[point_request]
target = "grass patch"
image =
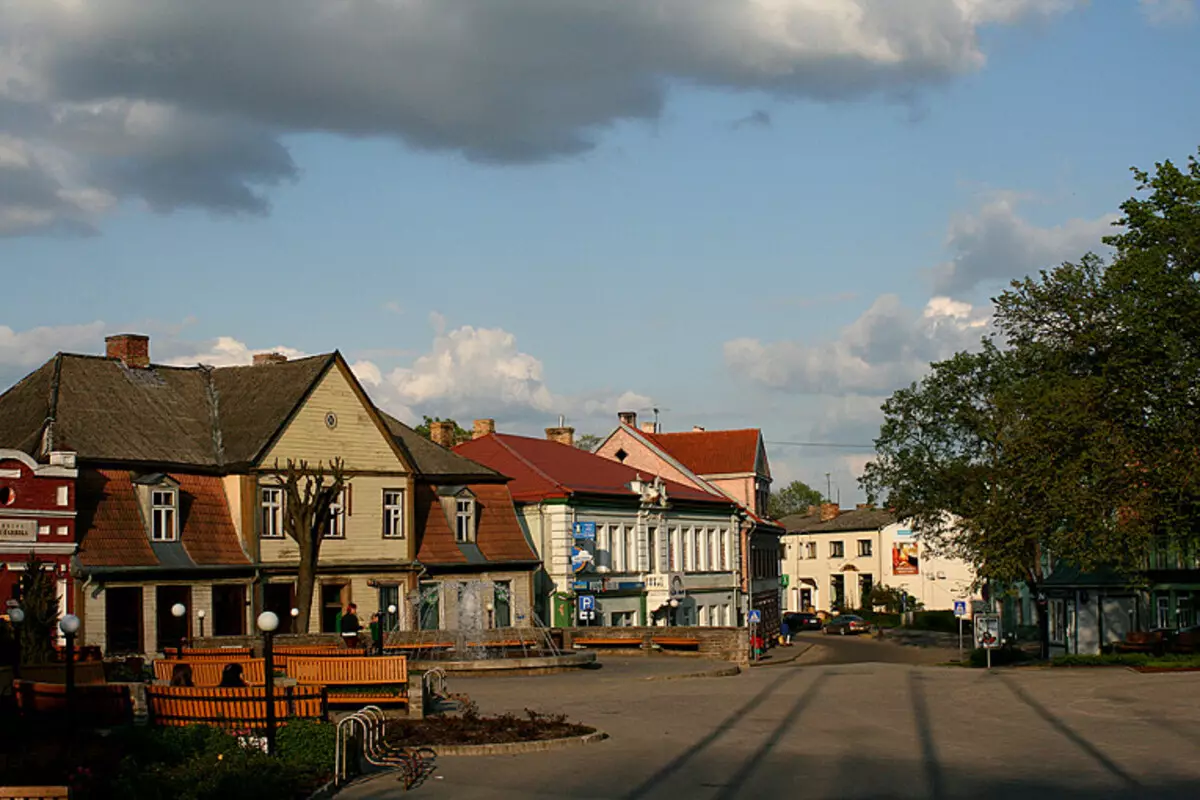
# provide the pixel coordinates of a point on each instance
(1166, 661)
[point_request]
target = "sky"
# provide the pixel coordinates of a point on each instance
(743, 213)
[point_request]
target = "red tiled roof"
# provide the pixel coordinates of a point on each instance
(711, 452)
(114, 534)
(437, 540)
(542, 469)
(498, 534)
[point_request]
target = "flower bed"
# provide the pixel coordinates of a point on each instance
(471, 728)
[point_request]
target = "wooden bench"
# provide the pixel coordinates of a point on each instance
(597, 641)
(207, 672)
(377, 680)
(419, 646)
(34, 792)
(195, 653)
(95, 704)
(1142, 642)
(505, 643)
(283, 652)
(1186, 643)
(232, 708)
(680, 642)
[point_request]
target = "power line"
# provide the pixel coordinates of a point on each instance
(826, 444)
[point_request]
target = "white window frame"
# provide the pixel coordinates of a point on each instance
(724, 536)
(336, 527)
(393, 513)
(840, 545)
(63, 530)
(464, 516)
(62, 495)
(810, 550)
(164, 515)
(603, 554)
(673, 548)
(869, 549)
(276, 526)
(1056, 609)
(653, 557)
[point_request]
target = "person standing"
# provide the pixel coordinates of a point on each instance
(785, 633)
(376, 628)
(350, 626)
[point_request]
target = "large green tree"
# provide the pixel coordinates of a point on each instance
(795, 498)
(460, 434)
(1073, 434)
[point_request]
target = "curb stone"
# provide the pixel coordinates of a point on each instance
(718, 672)
(802, 649)
(515, 748)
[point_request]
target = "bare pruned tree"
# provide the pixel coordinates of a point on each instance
(309, 496)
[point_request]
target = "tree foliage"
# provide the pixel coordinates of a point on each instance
(588, 441)
(460, 434)
(795, 498)
(1074, 432)
(309, 496)
(40, 602)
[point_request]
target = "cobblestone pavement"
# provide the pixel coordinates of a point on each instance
(867, 730)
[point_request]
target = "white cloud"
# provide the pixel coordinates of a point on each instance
(887, 347)
(224, 351)
(1170, 12)
(995, 245)
(178, 103)
(22, 351)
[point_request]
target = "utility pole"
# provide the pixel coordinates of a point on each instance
(828, 489)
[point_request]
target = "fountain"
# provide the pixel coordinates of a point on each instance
(481, 629)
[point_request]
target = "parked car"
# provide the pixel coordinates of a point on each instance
(802, 621)
(847, 624)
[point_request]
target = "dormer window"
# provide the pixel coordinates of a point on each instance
(464, 519)
(164, 517)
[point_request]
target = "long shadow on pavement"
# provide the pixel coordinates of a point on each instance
(929, 756)
(1073, 736)
(739, 778)
(683, 758)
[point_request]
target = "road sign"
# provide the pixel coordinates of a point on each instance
(960, 608)
(587, 602)
(580, 559)
(585, 530)
(987, 631)
(755, 616)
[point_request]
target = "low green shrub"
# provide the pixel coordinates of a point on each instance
(1001, 657)
(1127, 660)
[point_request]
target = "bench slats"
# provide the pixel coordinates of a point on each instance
(205, 653)
(232, 708)
(369, 675)
(34, 792)
(207, 672)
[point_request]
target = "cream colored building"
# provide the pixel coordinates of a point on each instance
(832, 558)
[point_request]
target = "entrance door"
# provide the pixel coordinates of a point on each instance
(123, 620)
(280, 598)
(806, 599)
(172, 631)
(389, 597)
(332, 603)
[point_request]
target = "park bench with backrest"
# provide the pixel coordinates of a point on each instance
(676, 642)
(34, 792)
(284, 652)
(232, 708)
(208, 672)
(96, 704)
(195, 653)
(378, 680)
(609, 641)
(1142, 642)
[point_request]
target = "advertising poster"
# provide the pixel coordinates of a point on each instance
(905, 560)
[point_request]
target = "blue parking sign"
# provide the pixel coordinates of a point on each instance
(755, 616)
(960, 608)
(587, 602)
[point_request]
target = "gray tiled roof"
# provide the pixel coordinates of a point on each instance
(859, 519)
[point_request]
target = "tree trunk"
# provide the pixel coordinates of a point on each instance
(306, 583)
(1041, 612)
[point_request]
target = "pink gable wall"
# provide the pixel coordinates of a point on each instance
(641, 457)
(740, 489)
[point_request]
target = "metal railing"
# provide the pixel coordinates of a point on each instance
(415, 765)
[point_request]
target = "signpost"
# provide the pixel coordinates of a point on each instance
(960, 611)
(585, 530)
(987, 634)
(755, 618)
(586, 607)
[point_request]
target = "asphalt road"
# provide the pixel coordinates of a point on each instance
(865, 649)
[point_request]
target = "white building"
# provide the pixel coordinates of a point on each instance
(833, 557)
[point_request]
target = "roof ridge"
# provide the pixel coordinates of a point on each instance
(213, 396)
(713, 490)
(52, 406)
(529, 463)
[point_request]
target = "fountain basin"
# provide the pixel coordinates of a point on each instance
(518, 665)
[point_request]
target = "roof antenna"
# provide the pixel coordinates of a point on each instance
(656, 430)
(828, 490)
(561, 420)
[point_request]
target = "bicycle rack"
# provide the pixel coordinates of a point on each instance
(414, 766)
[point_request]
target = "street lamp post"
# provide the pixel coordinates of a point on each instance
(177, 611)
(295, 612)
(69, 625)
(17, 616)
(201, 615)
(671, 620)
(267, 623)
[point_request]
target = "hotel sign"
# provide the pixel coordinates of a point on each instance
(18, 530)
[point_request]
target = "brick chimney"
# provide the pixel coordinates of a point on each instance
(483, 427)
(648, 427)
(562, 435)
(264, 359)
(697, 429)
(829, 511)
(133, 349)
(628, 418)
(442, 433)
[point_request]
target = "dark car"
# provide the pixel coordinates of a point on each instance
(800, 621)
(847, 624)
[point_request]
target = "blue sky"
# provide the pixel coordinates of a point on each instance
(749, 246)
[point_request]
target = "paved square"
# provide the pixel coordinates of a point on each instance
(866, 730)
